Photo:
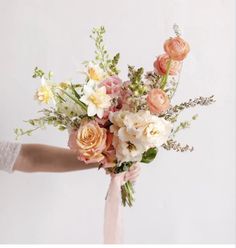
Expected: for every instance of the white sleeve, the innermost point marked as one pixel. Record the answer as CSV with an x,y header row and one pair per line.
x,y
9,152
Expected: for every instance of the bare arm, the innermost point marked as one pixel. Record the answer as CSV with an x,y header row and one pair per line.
x,y
43,158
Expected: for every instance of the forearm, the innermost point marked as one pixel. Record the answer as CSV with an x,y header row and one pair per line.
x,y
43,158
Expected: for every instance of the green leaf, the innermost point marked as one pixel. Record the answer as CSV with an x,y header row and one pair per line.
x,y
149,155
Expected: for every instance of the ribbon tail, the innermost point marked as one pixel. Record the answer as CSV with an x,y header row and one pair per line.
x,y
113,217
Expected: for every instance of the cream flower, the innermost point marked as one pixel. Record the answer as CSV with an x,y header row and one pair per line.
x,y
152,130
95,73
137,132
127,151
44,93
96,99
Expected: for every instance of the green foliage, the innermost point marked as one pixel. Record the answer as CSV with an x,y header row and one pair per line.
x,y
173,112
149,155
135,76
75,97
101,54
165,77
20,132
122,167
39,73
49,117
114,63
127,194
183,125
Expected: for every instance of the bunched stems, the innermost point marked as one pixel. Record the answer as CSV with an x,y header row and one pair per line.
x,y
127,194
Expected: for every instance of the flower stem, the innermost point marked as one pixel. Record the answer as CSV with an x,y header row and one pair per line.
x,y
127,194
165,77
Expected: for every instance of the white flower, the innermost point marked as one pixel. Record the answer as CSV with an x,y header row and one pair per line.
x,y
136,132
117,118
96,99
127,151
94,72
150,129
44,93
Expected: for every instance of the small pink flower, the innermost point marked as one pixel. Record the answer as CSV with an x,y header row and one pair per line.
x,y
161,63
113,85
158,102
125,93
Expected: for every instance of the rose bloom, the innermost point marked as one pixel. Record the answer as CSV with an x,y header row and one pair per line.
x,y
109,152
113,85
89,141
161,62
176,48
158,102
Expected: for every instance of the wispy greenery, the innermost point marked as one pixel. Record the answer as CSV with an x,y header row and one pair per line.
x,y
101,54
183,125
174,111
136,84
50,117
39,73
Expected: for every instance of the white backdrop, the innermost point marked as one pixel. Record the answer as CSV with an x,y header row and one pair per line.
x,y
180,198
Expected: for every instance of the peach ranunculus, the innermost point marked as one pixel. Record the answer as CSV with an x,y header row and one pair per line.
x,y
176,48
88,141
161,63
158,102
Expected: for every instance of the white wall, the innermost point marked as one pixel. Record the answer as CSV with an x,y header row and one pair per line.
x,y
180,198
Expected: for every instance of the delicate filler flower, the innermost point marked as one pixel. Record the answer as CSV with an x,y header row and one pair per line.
x,y
161,63
176,48
158,102
89,141
96,99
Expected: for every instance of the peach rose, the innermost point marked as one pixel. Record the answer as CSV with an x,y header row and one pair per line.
x,y
89,141
176,48
161,62
158,102
109,152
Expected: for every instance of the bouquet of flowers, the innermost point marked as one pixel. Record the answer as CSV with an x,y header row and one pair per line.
x,y
116,122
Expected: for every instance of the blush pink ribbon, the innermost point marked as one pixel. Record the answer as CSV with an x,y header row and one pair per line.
x,y
113,218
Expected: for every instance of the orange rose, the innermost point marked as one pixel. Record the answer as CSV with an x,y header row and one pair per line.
x,y
176,48
158,102
161,62
89,141
109,152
